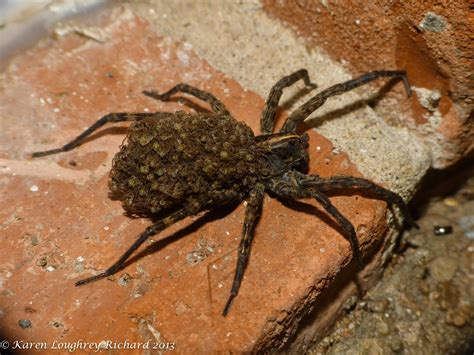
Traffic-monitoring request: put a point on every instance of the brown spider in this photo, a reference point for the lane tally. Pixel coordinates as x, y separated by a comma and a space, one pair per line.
179, 164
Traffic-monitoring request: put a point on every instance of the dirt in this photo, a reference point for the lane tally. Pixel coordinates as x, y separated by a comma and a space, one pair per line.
424, 303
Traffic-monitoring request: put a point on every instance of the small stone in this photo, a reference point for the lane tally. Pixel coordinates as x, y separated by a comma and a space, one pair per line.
350, 303
467, 225
442, 230
180, 308
410, 332
42, 261
378, 306
443, 268
124, 279
455, 318
24, 323
370, 347
449, 295
396, 345
424, 288
382, 327
34, 240
429, 99
451, 202
433, 22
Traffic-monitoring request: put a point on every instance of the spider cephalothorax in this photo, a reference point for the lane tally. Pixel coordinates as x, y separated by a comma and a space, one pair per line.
181, 164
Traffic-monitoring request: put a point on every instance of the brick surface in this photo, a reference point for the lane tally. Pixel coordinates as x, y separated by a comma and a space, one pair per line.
59, 225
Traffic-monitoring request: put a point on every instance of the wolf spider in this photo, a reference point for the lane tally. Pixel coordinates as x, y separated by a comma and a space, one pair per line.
173, 165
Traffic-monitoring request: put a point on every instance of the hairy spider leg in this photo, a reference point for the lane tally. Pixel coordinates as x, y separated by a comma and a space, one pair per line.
149, 232
216, 105
292, 186
301, 113
345, 224
254, 206
111, 117
268, 114
349, 182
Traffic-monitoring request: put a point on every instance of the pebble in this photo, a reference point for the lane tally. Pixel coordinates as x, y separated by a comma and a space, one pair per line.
396, 345
443, 268
24, 323
424, 288
42, 261
378, 306
409, 331
180, 308
370, 347
34, 240
350, 303
449, 295
442, 230
455, 318
451, 202
467, 225
382, 327
124, 279
433, 22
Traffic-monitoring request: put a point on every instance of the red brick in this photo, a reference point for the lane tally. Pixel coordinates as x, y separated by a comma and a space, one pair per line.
297, 256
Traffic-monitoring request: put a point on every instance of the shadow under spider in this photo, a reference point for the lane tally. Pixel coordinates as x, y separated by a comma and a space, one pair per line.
315, 211
372, 101
367, 194
194, 226
308, 208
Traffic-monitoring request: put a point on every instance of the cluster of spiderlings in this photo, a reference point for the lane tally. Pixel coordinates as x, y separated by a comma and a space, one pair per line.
174, 159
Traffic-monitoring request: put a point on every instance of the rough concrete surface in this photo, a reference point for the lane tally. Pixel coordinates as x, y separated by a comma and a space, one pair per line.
424, 303
59, 224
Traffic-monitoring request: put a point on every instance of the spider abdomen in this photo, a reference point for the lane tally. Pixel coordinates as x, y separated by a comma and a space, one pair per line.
172, 159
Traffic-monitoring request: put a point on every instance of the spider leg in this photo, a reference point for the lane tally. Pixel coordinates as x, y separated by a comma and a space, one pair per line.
268, 114
343, 222
111, 117
149, 232
300, 114
216, 105
345, 182
254, 205
293, 185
